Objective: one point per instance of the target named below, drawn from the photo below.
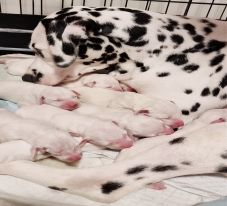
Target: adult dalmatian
(167, 57)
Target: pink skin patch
(144, 112)
(121, 144)
(157, 186)
(41, 100)
(219, 121)
(73, 158)
(90, 84)
(167, 131)
(127, 88)
(75, 92)
(176, 124)
(70, 105)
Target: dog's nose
(28, 78)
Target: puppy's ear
(64, 38)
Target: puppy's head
(60, 97)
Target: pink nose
(178, 123)
(70, 105)
(73, 158)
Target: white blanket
(182, 191)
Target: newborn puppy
(24, 93)
(42, 137)
(164, 110)
(18, 150)
(95, 80)
(138, 125)
(94, 130)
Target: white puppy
(41, 136)
(24, 93)
(164, 110)
(138, 125)
(94, 130)
(18, 150)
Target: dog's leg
(178, 157)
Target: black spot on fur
(57, 188)
(219, 69)
(212, 24)
(62, 17)
(107, 28)
(207, 30)
(222, 169)
(136, 170)
(185, 112)
(223, 82)
(39, 52)
(198, 38)
(144, 69)
(224, 96)
(142, 18)
(176, 38)
(122, 71)
(188, 91)
(163, 74)
(111, 57)
(86, 63)
(191, 68)
(171, 26)
(205, 92)
(129, 10)
(68, 48)
(65, 10)
(215, 91)
(136, 32)
(109, 187)
(186, 163)
(115, 18)
(195, 107)
(163, 168)
(214, 46)
(71, 19)
(177, 140)
(139, 64)
(161, 37)
(94, 13)
(58, 59)
(100, 9)
(96, 40)
(224, 155)
(114, 42)
(137, 43)
(139, 178)
(177, 59)
(96, 47)
(217, 60)
(194, 49)
(109, 49)
(149, 51)
(34, 71)
(190, 28)
(157, 51)
(50, 40)
(82, 49)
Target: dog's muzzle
(31, 78)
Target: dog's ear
(64, 37)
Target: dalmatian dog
(138, 125)
(176, 157)
(163, 110)
(42, 137)
(24, 93)
(93, 130)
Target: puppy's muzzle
(31, 78)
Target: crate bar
(62, 4)
(83, 2)
(223, 12)
(72, 2)
(126, 3)
(41, 2)
(0, 8)
(167, 7)
(187, 8)
(146, 5)
(104, 3)
(149, 5)
(33, 7)
(20, 6)
(210, 8)
(111, 2)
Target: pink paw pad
(176, 124)
(74, 157)
(121, 144)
